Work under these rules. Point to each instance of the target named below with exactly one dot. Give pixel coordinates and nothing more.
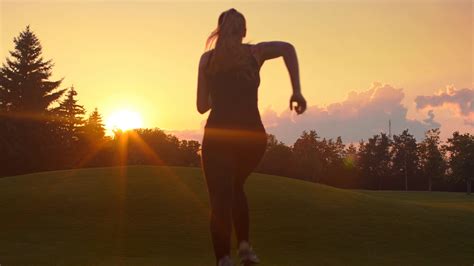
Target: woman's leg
(249, 156)
(240, 209)
(218, 165)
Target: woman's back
(234, 96)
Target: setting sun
(124, 120)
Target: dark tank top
(235, 98)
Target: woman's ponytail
(227, 37)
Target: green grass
(147, 215)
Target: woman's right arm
(269, 50)
(203, 101)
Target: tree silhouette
(375, 160)
(24, 79)
(461, 160)
(70, 116)
(69, 129)
(350, 156)
(94, 129)
(307, 151)
(26, 93)
(431, 157)
(349, 175)
(404, 157)
(92, 141)
(277, 158)
(332, 155)
(188, 150)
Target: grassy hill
(146, 215)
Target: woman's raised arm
(269, 50)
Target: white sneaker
(247, 256)
(225, 261)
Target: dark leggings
(228, 158)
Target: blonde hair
(229, 53)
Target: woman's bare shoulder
(260, 47)
(271, 49)
(252, 46)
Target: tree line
(43, 127)
(381, 163)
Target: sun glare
(124, 120)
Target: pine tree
(26, 93)
(70, 116)
(24, 79)
(67, 127)
(94, 129)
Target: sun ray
(157, 160)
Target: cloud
(187, 134)
(360, 116)
(459, 101)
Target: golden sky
(144, 55)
